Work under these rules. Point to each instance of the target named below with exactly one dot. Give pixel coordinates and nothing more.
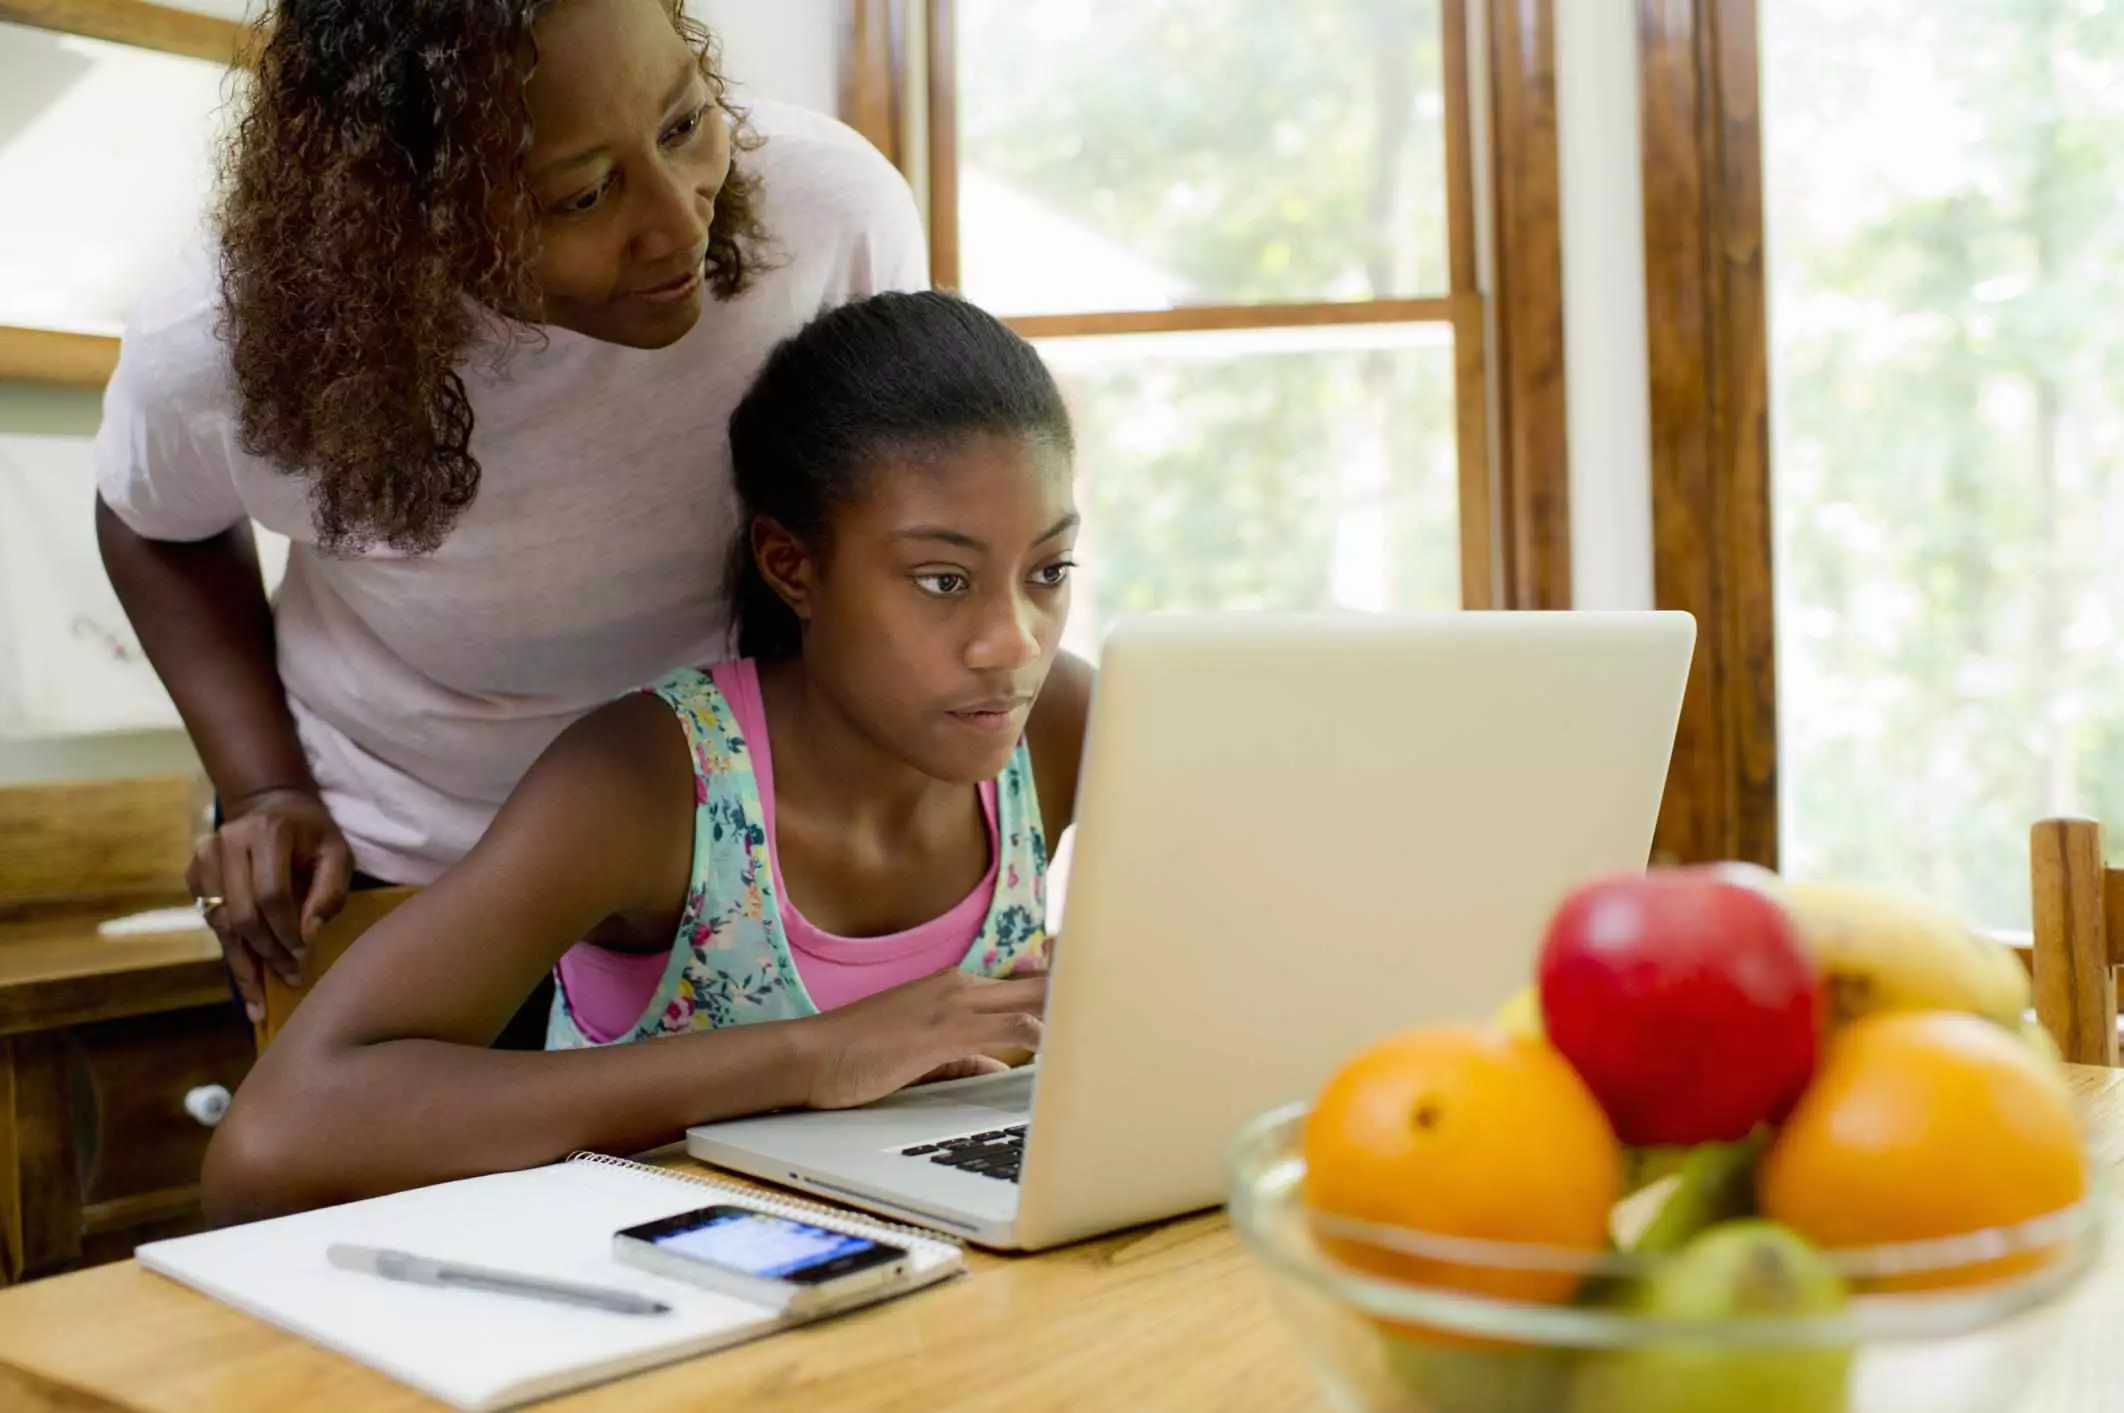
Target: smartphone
(793, 1266)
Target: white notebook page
(480, 1350)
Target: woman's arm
(201, 614)
(383, 1079)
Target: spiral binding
(831, 1218)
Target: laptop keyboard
(997, 1153)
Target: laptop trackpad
(1005, 1093)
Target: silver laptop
(1295, 834)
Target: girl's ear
(785, 564)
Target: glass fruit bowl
(1396, 1321)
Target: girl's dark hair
(374, 194)
(889, 375)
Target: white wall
(780, 49)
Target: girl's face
(628, 153)
(936, 608)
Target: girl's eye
(685, 127)
(1054, 576)
(943, 584)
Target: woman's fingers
(241, 908)
(204, 878)
(249, 973)
(272, 851)
(330, 874)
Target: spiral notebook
(477, 1350)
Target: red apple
(1685, 1001)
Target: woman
(807, 877)
(490, 279)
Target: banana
(1522, 1015)
(2041, 1041)
(1880, 950)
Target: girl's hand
(941, 1027)
(280, 867)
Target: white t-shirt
(592, 562)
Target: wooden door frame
(1707, 327)
(1533, 464)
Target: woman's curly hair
(374, 202)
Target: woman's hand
(942, 1026)
(280, 867)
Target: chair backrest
(363, 911)
(2079, 938)
(116, 844)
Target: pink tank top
(608, 991)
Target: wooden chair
(2079, 938)
(362, 911)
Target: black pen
(421, 1270)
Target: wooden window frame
(56, 357)
(1508, 342)
(137, 23)
(1707, 327)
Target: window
(99, 190)
(1242, 234)
(1946, 268)
(108, 119)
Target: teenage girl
(806, 877)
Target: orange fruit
(1920, 1125)
(1464, 1131)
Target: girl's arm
(1054, 734)
(383, 1080)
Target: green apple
(1441, 1377)
(1730, 1271)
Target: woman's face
(628, 152)
(934, 614)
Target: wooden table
(1175, 1318)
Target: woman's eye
(577, 205)
(942, 584)
(685, 127)
(1054, 576)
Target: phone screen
(759, 1244)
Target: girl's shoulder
(689, 688)
(630, 737)
(714, 725)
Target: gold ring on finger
(207, 905)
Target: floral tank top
(730, 961)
